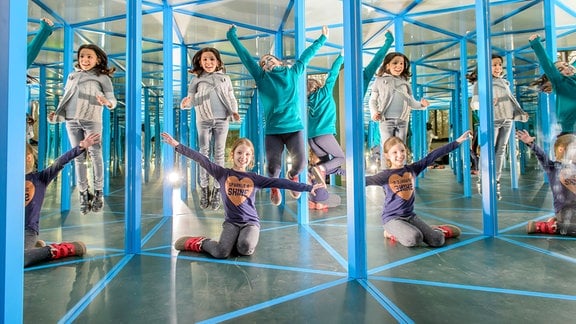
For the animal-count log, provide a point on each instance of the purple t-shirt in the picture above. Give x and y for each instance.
(36, 183)
(238, 189)
(398, 184)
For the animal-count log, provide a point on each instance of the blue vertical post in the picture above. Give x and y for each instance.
(106, 139)
(147, 135)
(486, 138)
(192, 138)
(157, 141)
(548, 102)
(133, 191)
(300, 39)
(466, 116)
(42, 122)
(512, 139)
(12, 129)
(355, 183)
(66, 174)
(167, 155)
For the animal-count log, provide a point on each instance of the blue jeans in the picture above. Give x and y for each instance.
(388, 128)
(77, 131)
(208, 130)
(502, 129)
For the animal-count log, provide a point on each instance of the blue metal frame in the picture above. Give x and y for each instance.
(133, 188)
(355, 184)
(12, 162)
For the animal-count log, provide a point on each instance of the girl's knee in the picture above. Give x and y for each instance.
(244, 248)
(412, 240)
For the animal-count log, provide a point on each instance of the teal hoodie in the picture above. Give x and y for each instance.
(563, 86)
(36, 43)
(321, 104)
(278, 88)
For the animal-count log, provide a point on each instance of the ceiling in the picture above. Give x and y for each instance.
(433, 33)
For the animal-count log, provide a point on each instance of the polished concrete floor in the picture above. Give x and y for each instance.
(299, 272)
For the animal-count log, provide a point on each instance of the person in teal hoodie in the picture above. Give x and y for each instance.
(322, 124)
(278, 89)
(563, 80)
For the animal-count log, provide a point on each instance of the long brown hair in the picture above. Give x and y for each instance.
(102, 65)
(389, 57)
(197, 66)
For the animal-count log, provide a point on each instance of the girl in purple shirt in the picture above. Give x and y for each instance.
(399, 220)
(241, 227)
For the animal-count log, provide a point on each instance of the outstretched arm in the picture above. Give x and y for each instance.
(253, 68)
(374, 64)
(36, 43)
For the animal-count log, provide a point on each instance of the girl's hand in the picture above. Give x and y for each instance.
(103, 101)
(166, 138)
(325, 31)
(51, 116)
(90, 140)
(465, 136)
(316, 187)
(185, 103)
(424, 102)
(236, 116)
(524, 136)
(376, 117)
(533, 37)
(47, 21)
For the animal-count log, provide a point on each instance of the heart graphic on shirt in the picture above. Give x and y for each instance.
(238, 190)
(402, 186)
(568, 179)
(29, 192)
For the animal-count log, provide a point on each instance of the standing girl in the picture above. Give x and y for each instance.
(563, 79)
(87, 90)
(391, 100)
(506, 111)
(398, 217)
(212, 95)
(241, 227)
(278, 88)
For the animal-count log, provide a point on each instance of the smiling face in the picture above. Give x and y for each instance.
(564, 68)
(268, 62)
(87, 59)
(396, 155)
(497, 67)
(396, 66)
(242, 157)
(209, 62)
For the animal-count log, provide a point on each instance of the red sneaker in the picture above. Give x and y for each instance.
(275, 196)
(389, 236)
(449, 230)
(547, 227)
(317, 206)
(190, 243)
(67, 249)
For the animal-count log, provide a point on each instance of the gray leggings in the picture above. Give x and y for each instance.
(242, 236)
(566, 221)
(328, 150)
(412, 231)
(32, 254)
(294, 144)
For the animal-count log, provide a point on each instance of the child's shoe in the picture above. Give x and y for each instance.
(215, 199)
(190, 243)
(547, 227)
(317, 206)
(67, 249)
(275, 196)
(389, 236)
(318, 174)
(85, 202)
(204, 197)
(294, 194)
(450, 231)
(97, 202)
